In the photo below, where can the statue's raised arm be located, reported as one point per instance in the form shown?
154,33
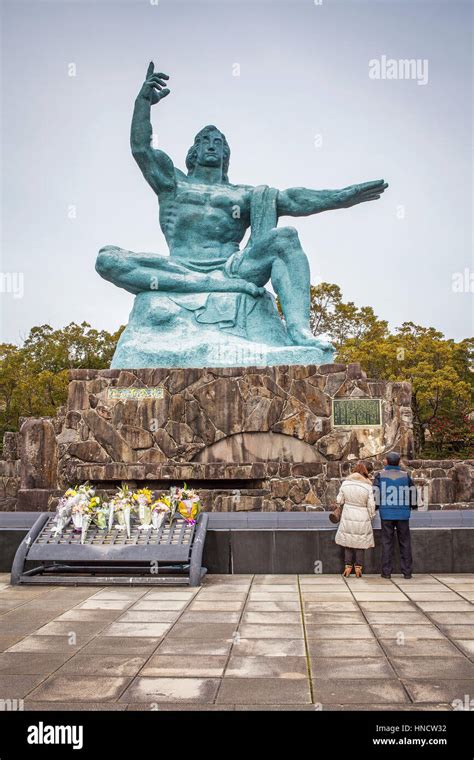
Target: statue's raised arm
156,166
300,201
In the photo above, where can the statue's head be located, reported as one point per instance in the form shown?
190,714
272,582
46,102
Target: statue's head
211,149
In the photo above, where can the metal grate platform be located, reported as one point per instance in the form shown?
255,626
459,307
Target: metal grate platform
176,548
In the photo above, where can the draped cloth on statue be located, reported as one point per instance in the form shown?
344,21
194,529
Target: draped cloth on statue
230,310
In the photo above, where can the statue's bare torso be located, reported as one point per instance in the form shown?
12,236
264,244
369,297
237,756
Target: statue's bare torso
204,222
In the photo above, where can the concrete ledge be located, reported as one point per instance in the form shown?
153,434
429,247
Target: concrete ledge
286,542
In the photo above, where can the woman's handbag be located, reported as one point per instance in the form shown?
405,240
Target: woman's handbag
335,515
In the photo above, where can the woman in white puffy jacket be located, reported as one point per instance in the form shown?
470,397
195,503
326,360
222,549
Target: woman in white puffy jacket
355,532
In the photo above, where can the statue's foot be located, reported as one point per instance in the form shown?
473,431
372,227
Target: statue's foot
220,282
302,336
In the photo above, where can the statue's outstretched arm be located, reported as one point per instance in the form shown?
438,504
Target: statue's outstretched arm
156,166
300,201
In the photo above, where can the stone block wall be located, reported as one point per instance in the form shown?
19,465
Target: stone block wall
254,438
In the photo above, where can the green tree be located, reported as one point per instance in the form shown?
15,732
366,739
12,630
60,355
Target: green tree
34,376
340,321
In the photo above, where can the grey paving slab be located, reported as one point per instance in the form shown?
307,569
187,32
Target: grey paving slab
373,596
344,648
87,616
355,692
102,665
131,645
274,618
148,616
338,632
320,588
440,690
454,606
334,618
8,641
72,688
132,594
185,665
31,663
453,618
388,606
257,596
273,606
336,596
164,606
269,647
266,667
394,631
423,596
398,618
264,691
331,606
457,631
84,629
214,605
212,647
209,617
274,631
171,690
50,644
272,588
105,604
457,667
203,631
18,686
419,648
351,667
124,630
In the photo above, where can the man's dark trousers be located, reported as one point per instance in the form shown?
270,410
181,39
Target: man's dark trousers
402,527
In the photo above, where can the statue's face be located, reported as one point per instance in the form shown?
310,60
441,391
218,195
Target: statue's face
210,150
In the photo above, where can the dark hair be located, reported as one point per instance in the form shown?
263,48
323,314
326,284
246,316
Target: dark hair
393,458
191,158
361,469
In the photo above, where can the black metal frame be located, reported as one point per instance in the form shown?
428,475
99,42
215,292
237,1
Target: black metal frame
171,554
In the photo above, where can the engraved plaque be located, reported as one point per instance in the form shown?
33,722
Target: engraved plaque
357,412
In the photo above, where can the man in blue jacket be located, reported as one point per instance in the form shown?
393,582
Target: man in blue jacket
395,496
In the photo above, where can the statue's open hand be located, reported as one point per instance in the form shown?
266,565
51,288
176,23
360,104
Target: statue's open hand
366,191
154,87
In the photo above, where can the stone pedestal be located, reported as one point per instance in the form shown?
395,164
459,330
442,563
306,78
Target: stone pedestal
248,438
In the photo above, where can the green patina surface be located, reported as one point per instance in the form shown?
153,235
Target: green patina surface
205,303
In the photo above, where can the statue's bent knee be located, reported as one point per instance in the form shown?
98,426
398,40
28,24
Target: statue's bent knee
108,262
287,233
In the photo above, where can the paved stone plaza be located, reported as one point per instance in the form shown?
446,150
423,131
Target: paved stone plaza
241,642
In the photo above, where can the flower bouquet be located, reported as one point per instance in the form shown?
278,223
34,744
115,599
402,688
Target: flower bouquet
101,515
82,502
121,507
188,504
161,508
64,510
143,499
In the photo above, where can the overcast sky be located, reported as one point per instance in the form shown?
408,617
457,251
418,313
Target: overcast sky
303,112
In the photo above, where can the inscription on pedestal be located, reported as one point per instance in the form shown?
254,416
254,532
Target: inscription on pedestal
134,393
358,412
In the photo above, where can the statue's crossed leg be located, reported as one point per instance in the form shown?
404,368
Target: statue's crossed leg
277,256
142,272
